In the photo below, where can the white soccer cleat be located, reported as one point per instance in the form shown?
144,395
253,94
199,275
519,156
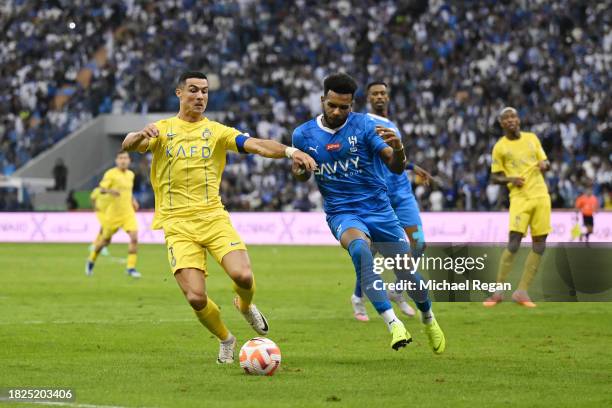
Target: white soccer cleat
133,273
359,309
398,299
226,351
89,268
254,317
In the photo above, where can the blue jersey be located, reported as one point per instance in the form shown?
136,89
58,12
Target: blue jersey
398,185
347,174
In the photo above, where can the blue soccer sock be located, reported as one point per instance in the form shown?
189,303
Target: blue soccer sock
419,295
417,249
358,292
418,245
364,268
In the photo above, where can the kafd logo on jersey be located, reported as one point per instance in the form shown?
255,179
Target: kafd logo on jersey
353,142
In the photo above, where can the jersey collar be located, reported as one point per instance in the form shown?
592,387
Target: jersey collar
373,115
190,125
328,130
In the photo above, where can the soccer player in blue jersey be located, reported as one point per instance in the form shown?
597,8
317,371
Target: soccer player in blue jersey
400,193
345,146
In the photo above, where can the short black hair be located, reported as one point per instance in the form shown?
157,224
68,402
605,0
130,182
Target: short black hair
371,84
121,152
339,83
190,74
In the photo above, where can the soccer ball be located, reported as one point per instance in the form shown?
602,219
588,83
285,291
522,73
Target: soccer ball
260,356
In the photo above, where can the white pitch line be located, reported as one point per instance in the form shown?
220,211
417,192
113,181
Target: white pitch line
65,404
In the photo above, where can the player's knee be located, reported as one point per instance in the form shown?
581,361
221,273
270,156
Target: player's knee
514,244
243,276
197,299
538,247
240,272
362,259
359,248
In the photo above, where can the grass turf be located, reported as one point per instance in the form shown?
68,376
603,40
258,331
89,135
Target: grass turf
123,342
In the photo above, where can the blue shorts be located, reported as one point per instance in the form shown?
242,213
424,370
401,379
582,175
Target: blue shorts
382,228
406,209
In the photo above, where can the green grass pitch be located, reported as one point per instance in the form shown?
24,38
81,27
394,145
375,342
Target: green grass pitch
135,343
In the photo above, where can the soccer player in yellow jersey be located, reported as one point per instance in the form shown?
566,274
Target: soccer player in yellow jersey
118,183
100,203
189,153
519,161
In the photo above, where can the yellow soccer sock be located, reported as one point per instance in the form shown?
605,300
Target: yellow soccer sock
505,265
131,261
531,267
245,295
93,255
210,317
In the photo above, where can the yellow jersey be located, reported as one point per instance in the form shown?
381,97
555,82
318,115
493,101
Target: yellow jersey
520,158
102,200
188,162
123,182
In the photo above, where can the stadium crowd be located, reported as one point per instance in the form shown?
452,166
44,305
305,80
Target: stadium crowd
450,65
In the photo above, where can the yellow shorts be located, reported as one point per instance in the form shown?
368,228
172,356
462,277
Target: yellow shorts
188,240
111,225
530,212
101,217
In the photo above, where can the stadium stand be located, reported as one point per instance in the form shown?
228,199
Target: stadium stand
450,65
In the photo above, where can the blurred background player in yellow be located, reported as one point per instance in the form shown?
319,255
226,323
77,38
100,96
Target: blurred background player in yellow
118,183
587,204
189,154
519,161
99,202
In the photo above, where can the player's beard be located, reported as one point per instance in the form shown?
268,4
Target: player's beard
334,124
379,107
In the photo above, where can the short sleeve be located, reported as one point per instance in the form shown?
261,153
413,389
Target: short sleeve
107,180
540,153
373,140
231,140
497,161
297,139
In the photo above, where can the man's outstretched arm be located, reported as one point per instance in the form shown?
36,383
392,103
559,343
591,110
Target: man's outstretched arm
275,150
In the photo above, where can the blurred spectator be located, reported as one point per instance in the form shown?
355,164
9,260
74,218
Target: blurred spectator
9,200
450,66
60,175
436,200
71,202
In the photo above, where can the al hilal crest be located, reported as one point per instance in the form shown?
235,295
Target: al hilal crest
353,142
206,134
